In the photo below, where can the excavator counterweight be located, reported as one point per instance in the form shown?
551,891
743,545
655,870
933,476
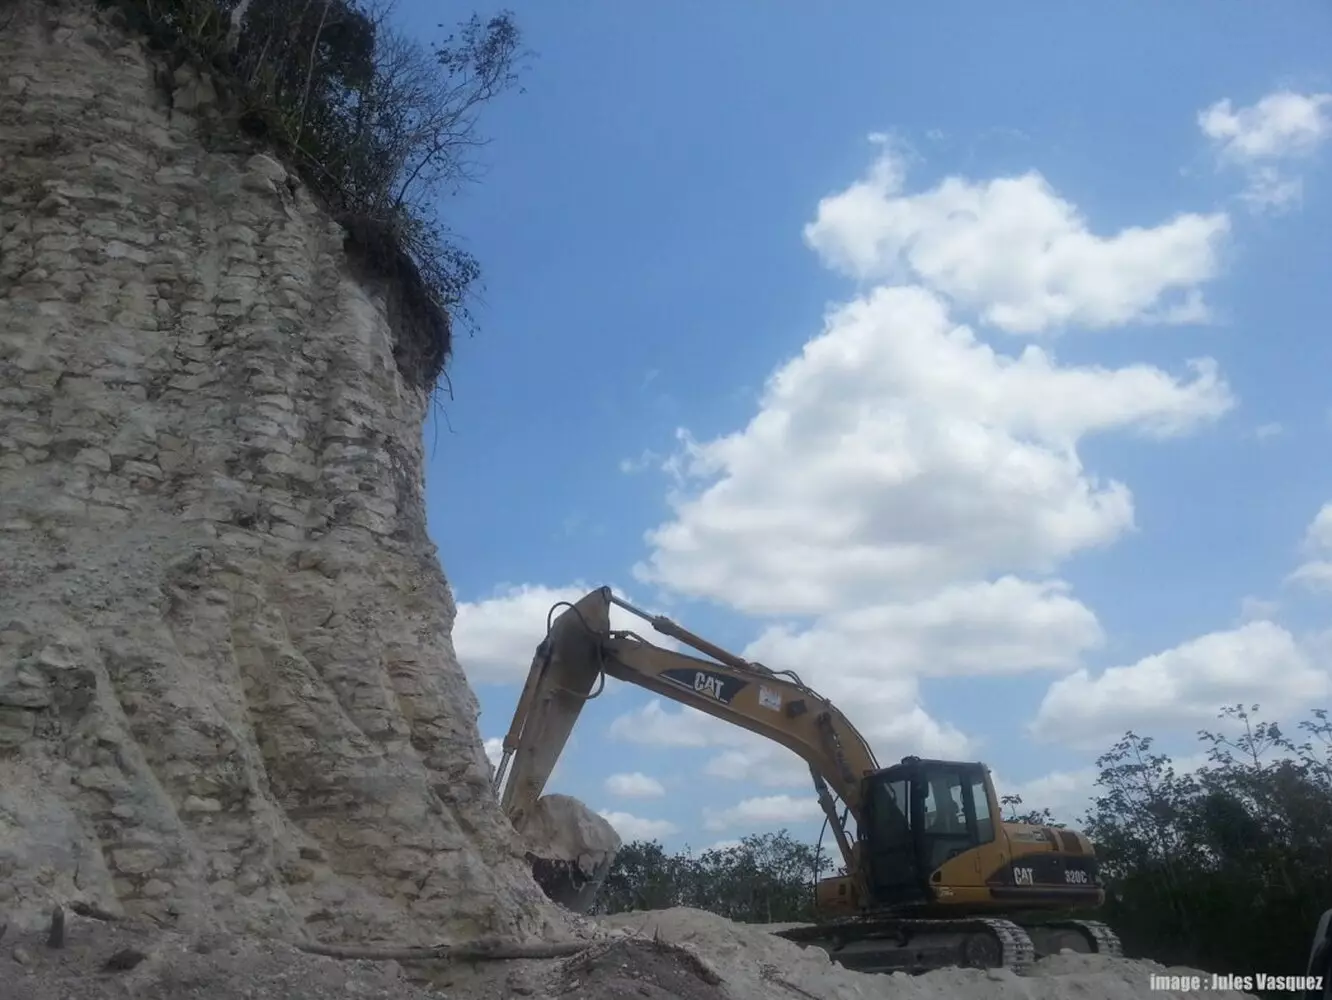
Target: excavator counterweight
935,877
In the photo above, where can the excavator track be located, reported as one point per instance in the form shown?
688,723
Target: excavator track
1107,941
1087,936
894,944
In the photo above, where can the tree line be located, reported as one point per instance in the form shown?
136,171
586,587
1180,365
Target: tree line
1224,869
764,879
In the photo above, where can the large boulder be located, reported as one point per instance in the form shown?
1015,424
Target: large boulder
571,850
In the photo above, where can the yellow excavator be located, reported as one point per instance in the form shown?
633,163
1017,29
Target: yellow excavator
934,876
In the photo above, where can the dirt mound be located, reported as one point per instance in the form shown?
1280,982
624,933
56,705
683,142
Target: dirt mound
636,968
100,962
668,955
755,965
104,961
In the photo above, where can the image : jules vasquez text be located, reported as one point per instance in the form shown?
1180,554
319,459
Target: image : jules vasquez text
1244,984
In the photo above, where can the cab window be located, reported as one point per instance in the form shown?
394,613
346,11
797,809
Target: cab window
891,812
981,803
944,810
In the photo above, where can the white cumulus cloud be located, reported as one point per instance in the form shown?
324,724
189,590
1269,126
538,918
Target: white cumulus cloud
1280,125
884,709
1016,252
1315,573
496,637
867,661
1318,536
893,726
1264,140
656,725
898,454
1006,626
1185,686
741,756
1258,661
763,764
635,785
1071,794
764,813
1067,794
494,748
631,827
902,499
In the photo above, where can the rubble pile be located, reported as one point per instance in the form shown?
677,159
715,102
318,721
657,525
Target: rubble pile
755,964
677,954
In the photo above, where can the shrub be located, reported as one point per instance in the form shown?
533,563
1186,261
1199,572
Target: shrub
379,126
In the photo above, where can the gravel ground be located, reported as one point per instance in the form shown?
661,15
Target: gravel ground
675,954
101,961
91,966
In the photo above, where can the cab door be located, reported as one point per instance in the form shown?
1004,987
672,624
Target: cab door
888,843
956,821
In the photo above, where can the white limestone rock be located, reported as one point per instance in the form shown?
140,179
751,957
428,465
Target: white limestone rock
228,694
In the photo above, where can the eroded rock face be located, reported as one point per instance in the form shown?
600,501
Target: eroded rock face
227,688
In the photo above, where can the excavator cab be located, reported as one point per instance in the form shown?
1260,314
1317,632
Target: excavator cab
919,816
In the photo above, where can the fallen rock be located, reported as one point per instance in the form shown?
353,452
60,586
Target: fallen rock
571,850
637,968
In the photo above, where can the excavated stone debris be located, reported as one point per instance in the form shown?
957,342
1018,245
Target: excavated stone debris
562,828
670,955
228,694
165,966
571,849
756,965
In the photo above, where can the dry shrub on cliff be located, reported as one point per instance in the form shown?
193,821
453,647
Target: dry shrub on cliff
379,126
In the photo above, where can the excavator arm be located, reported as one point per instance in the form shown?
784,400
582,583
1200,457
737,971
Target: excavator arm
580,650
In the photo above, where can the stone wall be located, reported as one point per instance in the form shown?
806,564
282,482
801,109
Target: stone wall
227,689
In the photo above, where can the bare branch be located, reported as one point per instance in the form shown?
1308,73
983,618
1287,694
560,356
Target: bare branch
309,69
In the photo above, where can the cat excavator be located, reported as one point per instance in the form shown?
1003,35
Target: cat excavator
934,877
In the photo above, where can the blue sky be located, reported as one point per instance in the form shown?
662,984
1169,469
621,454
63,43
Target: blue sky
997,470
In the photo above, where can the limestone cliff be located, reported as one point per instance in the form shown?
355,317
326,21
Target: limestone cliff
227,688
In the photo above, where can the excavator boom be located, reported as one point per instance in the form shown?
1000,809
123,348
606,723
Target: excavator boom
580,649
565,670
